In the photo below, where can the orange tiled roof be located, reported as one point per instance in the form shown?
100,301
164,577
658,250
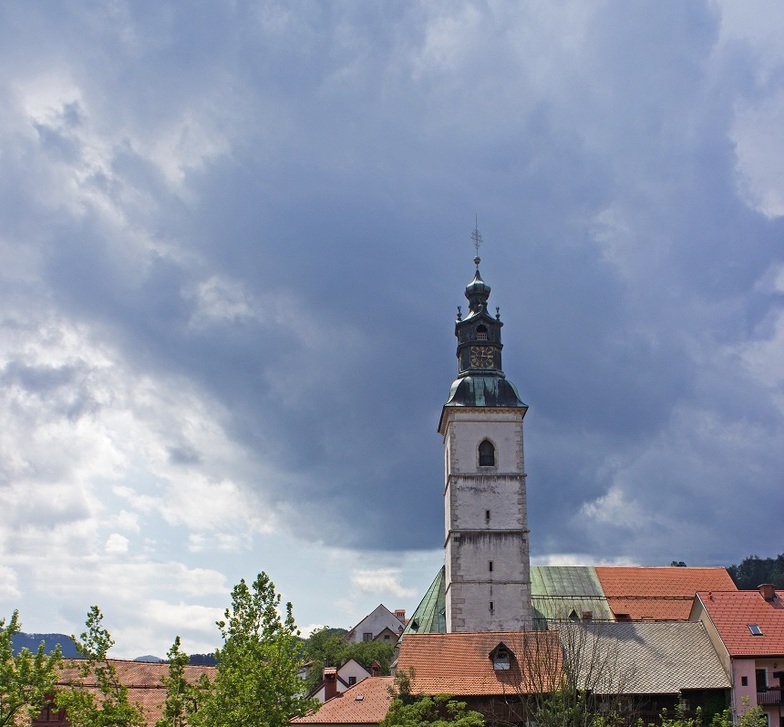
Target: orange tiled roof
143,680
366,702
658,594
732,613
460,664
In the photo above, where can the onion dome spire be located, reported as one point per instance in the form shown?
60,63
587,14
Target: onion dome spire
480,378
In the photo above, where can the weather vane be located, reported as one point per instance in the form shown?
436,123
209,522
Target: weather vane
476,238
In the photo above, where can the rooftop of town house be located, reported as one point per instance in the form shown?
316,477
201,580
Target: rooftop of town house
640,593
665,657
143,680
748,624
367,702
463,664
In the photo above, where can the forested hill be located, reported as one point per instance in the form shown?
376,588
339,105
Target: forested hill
753,571
31,641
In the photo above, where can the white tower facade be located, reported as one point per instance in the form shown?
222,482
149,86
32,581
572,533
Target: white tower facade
487,565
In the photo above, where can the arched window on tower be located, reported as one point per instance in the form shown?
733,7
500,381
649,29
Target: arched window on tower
481,333
486,454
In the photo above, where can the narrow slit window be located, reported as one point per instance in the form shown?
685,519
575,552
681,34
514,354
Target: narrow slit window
491,606
487,515
490,566
486,454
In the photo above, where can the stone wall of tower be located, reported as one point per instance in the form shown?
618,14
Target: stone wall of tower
487,554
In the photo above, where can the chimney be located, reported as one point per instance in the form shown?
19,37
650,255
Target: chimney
587,615
767,591
330,682
375,669
400,614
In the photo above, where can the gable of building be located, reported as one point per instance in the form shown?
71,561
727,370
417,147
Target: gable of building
374,623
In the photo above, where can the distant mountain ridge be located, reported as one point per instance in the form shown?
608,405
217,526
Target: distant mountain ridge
31,641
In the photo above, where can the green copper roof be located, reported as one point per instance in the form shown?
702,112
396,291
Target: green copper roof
429,617
560,593
484,391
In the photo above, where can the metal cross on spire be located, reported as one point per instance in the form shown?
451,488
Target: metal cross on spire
476,238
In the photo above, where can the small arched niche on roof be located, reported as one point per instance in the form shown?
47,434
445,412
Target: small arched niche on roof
486,454
502,657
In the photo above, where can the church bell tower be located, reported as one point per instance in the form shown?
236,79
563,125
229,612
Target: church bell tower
487,569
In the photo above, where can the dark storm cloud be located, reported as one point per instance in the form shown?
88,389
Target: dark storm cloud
356,144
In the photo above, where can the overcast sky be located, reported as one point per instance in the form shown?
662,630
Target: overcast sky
233,237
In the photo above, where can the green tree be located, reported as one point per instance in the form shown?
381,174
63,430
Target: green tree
417,710
95,697
329,647
752,717
366,652
440,710
324,647
182,698
27,680
256,681
681,717
754,571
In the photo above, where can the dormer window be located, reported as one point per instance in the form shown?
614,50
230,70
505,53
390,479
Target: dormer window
481,333
486,454
501,658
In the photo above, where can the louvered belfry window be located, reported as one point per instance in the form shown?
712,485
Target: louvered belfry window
486,454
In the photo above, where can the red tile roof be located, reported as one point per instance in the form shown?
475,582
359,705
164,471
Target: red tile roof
658,594
460,664
143,680
733,612
366,702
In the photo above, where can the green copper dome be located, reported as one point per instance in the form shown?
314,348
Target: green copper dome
484,391
477,292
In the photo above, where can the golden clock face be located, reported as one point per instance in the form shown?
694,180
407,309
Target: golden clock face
482,357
